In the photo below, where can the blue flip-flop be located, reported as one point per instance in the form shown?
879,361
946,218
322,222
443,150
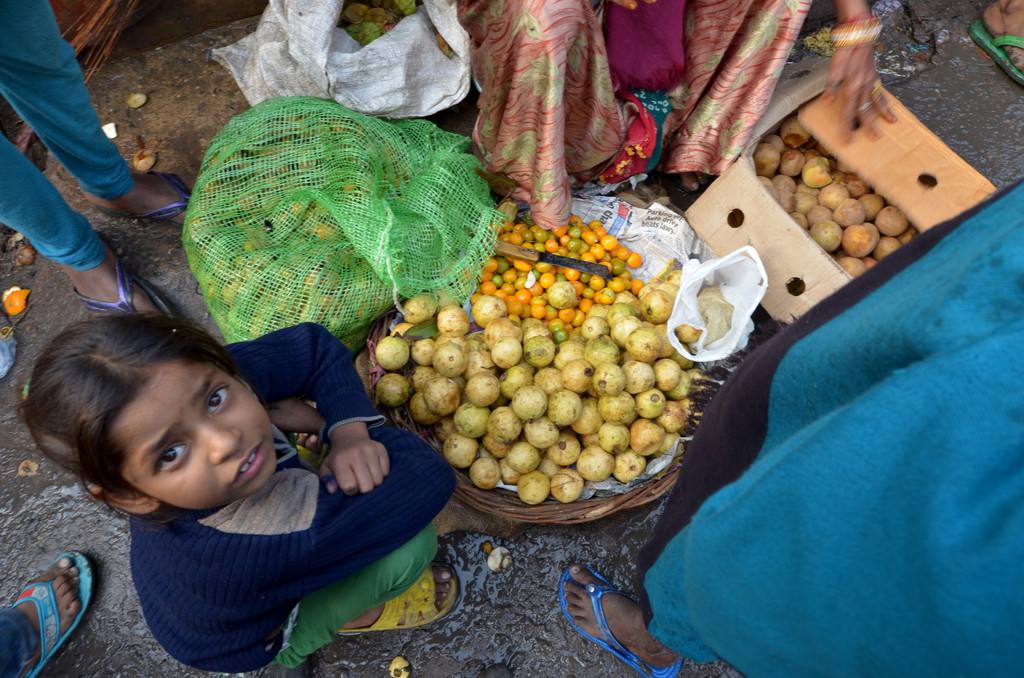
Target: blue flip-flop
608,641
42,595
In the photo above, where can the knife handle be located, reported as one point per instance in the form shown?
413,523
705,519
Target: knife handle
509,250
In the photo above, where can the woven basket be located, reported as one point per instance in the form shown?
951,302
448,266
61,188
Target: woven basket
507,504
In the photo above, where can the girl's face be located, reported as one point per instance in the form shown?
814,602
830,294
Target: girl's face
195,438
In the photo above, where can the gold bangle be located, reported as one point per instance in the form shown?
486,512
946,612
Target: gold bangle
856,33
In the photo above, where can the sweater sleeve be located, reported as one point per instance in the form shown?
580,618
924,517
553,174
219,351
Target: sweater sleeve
307,361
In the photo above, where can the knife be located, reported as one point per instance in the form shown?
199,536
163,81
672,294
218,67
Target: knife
509,250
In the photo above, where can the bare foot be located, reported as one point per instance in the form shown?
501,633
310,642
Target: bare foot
101,283
442,584
65,585
150,193
1006,17
625,619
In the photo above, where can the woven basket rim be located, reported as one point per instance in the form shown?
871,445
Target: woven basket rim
505,503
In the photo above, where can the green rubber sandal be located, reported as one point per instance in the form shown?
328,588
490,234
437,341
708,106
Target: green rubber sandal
994,48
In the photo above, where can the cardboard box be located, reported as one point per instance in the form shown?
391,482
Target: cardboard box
907,166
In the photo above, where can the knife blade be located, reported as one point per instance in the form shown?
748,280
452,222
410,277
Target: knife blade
509,250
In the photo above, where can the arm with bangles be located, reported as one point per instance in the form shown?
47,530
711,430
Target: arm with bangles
852,76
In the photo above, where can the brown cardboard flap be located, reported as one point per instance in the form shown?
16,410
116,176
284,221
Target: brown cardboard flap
735,211
908,165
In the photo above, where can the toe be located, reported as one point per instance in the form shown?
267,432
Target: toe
582,575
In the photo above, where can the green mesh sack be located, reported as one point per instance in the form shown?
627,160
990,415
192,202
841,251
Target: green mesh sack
307,211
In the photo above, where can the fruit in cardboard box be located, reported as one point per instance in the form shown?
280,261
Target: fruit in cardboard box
792,163
891,221
852,265
818,214
766,160
793,133
886,246
873,203
816,173
832,196
848,212
828,234
860,240
800,219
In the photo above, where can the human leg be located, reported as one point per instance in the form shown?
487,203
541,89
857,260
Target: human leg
19,625
624,619
356,601
547,108
41,78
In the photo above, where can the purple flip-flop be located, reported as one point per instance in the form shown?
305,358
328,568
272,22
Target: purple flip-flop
124,304
168,211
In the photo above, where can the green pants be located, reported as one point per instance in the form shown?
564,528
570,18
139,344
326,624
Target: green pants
321,614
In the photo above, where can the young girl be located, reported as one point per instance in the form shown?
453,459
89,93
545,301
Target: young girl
240,555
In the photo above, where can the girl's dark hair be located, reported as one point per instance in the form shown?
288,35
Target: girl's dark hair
87,375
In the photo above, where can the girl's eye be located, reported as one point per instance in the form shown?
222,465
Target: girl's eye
170,456
217,399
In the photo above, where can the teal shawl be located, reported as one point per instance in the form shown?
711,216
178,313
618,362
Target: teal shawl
874,524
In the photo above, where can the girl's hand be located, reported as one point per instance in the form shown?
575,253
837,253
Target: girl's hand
295,416
852,78
357,463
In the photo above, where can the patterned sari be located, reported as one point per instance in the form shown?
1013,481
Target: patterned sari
548,112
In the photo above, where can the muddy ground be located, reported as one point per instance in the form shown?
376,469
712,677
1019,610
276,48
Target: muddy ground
512,618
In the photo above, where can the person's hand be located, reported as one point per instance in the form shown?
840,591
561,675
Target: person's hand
853,80
631,4
295,416
357,463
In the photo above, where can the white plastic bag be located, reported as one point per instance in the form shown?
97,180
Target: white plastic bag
298,50
743,281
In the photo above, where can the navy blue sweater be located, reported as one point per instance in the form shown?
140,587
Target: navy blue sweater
218,600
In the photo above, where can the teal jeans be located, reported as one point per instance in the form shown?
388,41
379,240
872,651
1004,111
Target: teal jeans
41,79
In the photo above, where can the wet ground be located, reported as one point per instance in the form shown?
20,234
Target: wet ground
513,617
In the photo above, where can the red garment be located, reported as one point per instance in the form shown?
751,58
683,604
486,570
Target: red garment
645,45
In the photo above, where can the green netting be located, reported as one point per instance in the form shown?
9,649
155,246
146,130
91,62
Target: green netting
307,211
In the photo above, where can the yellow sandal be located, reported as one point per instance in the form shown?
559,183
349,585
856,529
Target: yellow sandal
416,601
